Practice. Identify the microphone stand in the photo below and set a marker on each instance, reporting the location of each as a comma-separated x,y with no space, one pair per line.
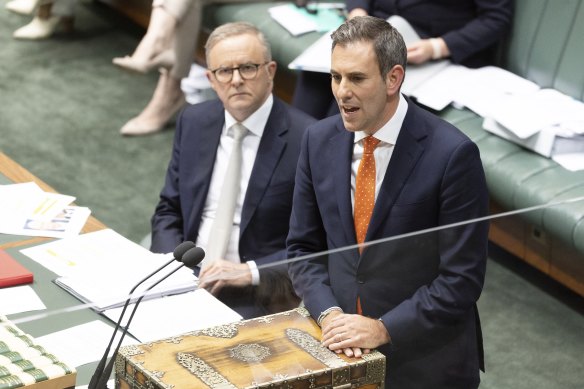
191,258
102,383
177,255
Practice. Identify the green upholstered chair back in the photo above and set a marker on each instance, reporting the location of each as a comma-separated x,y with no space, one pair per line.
546,44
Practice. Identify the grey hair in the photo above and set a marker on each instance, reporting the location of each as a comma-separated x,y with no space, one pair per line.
229,30
390,48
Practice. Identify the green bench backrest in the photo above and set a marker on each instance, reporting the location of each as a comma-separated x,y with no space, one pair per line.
546,44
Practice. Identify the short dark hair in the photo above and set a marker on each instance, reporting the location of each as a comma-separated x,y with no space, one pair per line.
390,48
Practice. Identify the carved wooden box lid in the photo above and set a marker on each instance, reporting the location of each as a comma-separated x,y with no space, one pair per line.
276,351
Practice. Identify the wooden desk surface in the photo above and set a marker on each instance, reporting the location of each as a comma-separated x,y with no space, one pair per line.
18,174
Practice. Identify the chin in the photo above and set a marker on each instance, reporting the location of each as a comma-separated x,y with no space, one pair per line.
350,126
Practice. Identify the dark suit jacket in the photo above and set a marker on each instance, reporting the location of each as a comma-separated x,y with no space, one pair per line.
469,27
268,200
423,287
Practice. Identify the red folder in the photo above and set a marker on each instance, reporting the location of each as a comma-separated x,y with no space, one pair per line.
11,272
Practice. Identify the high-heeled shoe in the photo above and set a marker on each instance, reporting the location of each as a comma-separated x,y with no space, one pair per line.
164,60
23,7
42,28
139,126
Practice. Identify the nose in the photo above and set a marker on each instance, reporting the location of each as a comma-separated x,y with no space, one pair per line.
236,78
344,91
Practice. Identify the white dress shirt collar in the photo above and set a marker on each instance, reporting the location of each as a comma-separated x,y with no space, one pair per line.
390,130
256,122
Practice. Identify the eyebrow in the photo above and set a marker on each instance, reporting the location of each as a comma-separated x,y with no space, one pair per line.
351,74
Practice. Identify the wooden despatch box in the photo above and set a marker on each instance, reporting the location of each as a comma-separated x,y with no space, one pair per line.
276,351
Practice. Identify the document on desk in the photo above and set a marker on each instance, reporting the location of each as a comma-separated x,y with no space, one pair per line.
17,299
173,315
571,161
82,344
68,222
102,267
432,83
478,89
526,115
28,210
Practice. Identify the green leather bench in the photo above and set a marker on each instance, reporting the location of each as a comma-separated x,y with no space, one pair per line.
546,46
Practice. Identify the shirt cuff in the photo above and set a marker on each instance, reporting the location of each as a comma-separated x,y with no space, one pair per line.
255,273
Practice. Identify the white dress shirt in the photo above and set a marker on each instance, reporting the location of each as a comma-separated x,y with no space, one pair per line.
250,144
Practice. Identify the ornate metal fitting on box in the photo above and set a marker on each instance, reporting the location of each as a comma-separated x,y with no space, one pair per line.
203,371
312,346
342,377
250,353
227,331
131,351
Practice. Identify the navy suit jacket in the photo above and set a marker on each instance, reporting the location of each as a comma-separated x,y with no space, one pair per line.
424,287
469,27
268,200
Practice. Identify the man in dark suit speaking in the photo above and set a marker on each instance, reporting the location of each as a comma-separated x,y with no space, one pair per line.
383,168
230,180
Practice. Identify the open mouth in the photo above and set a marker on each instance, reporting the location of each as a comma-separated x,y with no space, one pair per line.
350,110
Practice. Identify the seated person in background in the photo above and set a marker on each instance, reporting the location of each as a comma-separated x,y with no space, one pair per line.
48,16
230,180
169,45
464,31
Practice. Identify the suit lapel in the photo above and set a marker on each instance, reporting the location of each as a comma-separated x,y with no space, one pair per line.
340,157
269,153
406,154
205,143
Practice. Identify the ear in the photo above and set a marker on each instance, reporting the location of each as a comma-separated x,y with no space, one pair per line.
272,66
394,79
211,79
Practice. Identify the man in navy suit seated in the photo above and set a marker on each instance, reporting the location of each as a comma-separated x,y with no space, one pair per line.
230,180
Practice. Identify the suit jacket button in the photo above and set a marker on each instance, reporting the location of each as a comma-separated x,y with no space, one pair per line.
360,280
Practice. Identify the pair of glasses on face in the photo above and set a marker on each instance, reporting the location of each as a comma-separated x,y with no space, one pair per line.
247,71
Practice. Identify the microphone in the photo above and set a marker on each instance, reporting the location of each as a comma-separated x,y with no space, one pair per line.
177,254
191,258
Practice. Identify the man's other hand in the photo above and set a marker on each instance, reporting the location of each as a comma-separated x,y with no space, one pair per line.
221,273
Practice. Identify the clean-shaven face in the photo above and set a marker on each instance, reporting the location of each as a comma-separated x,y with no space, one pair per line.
241,97
361,93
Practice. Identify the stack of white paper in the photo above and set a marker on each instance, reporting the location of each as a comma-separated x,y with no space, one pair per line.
102,267
82,344
174,315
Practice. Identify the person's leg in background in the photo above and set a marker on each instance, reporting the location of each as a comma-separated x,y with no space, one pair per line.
23,7
156,46
168,97
170,45
49,15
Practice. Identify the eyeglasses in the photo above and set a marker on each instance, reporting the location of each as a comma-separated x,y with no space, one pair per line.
247,71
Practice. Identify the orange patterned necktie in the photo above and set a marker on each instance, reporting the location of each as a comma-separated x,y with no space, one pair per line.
365,189
364,195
